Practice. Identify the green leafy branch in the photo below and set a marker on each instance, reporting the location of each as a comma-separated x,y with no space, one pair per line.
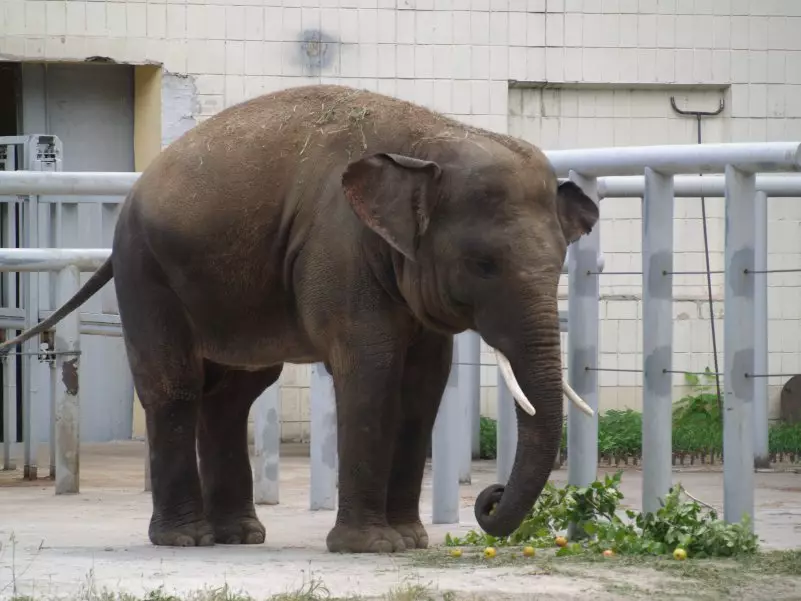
601,524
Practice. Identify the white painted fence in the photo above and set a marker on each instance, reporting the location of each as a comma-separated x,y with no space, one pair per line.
658,174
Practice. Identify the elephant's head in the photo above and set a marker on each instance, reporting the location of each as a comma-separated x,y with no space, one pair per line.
480,232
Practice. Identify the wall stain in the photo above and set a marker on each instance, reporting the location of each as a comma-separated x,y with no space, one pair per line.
316,51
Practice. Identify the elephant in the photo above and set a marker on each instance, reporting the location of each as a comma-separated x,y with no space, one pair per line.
323,223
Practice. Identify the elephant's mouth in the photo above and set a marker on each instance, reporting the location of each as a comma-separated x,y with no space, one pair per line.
519,396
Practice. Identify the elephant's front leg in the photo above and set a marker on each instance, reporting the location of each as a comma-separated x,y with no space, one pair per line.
428,364
367,371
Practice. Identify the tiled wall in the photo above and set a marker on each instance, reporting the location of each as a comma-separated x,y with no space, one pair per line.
457,56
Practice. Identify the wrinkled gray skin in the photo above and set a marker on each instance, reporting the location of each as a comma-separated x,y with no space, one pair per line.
328,224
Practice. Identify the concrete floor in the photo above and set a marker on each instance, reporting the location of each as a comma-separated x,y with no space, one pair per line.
100,535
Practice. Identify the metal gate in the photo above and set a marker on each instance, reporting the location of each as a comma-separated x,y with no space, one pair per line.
35,221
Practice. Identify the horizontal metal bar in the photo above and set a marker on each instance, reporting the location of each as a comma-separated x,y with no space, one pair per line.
629,371
747,375
691,186
677,158
66,182
51,259
12,323
97,324
592,162
14,140
43,354
86,259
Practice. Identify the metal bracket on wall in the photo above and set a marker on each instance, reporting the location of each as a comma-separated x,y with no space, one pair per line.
697,114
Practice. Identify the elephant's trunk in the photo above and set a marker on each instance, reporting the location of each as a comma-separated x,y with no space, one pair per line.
535,360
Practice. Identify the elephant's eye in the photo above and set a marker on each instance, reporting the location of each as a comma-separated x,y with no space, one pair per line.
482,266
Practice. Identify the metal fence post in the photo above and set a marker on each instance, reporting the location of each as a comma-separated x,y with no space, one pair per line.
323,490
148,481
582,342
657,337
475,428
53,371
267,442
30,286
469,344
761,449
9,362
446,450
506,429
68,406
738,402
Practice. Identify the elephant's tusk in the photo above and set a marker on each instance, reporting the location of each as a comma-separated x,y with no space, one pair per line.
511,382
579,402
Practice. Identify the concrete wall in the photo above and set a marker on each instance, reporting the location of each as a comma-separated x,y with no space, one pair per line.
458,56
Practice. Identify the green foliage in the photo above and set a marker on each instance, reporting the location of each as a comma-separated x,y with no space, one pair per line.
784,438
697,423
595,510
619,432
697,427
487,438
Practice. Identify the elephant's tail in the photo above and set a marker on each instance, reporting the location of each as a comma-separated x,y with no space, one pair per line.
96,282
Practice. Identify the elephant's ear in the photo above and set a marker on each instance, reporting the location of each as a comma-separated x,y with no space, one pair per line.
578,214
394,196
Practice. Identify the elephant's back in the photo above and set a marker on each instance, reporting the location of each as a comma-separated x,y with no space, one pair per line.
248,161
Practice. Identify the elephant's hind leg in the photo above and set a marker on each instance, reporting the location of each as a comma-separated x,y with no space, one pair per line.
168,375
223,448
428,364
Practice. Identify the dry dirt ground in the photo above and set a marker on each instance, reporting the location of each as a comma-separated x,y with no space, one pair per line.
59,546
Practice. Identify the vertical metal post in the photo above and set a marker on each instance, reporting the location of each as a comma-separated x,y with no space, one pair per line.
446,450
657,337
53,394
68,407
31,304
475,428
760,277
469,344
9,362
267,440
506,428
738,354
323,490
582,344
148,481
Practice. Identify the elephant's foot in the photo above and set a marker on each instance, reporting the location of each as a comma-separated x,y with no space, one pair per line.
194,534
245,530
414,534
369,539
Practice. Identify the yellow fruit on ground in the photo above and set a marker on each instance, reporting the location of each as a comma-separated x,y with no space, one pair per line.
561,541
456,552
609,553
528,551
489,552
679,554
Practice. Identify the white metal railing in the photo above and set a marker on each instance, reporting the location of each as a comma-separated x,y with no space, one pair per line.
658,174
64,357
738,163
